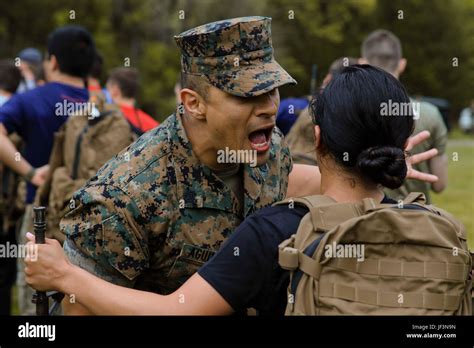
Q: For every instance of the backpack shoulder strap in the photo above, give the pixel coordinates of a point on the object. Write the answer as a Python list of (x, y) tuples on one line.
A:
[(307, 201), (415, 197), (327, 216)]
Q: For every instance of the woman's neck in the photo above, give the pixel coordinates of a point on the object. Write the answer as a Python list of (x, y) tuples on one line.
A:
[(343, 188)]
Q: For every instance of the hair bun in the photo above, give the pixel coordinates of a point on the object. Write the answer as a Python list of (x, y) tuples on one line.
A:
[(384, 165)]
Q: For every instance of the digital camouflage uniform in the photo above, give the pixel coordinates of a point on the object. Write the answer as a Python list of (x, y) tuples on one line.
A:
[(153, 214)]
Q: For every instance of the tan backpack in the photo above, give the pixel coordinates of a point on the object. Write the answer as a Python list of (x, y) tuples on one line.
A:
[(81, 147), (374, 259)]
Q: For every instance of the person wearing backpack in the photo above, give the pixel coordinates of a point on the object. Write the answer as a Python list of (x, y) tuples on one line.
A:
[(123, 85), (37, 114), (81, 146), (415, 261)]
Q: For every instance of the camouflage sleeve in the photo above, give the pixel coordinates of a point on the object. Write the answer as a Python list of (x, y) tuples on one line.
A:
[(103, 236), (84, 261)]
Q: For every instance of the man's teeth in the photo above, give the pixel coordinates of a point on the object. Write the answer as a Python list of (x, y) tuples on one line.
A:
[(261, 144)]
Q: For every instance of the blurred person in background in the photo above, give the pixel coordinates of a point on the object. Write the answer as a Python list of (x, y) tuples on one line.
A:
[(123, 85), (93, 80), (383, 49), (466, 119), (37, 114), (10, 77), (30, 67), (300, 137), (289, 112)]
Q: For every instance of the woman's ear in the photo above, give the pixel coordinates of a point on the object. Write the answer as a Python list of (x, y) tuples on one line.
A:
[(317, 136), (193, 103)]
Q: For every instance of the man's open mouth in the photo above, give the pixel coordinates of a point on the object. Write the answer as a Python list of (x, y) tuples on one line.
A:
[(260, 138)]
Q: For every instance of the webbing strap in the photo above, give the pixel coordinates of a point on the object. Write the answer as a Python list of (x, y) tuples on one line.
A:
[(325, 218), (309, 265), (291, 259), (390, 299), (415, 197), (433, 270)]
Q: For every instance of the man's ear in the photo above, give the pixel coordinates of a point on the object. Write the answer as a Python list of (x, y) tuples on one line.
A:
[(53, 63), (193, 103), (402, 64)]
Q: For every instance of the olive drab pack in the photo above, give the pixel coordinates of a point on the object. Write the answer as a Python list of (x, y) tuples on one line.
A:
[(81, 147), (369, 258)]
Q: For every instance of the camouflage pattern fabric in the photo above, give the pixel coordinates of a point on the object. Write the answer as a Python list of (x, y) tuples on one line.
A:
[(153, 214), (235, 55)]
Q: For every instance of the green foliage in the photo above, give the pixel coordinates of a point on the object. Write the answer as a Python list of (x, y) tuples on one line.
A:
[(305, 32), (161, 65)]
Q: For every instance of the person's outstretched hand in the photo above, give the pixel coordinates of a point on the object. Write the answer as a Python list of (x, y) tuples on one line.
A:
[(420, 157)]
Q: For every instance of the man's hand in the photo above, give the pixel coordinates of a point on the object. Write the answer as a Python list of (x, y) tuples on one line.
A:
[(40, 176), (420, 157)]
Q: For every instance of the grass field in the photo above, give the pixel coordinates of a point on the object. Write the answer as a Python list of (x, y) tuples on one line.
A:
[(458, 198)]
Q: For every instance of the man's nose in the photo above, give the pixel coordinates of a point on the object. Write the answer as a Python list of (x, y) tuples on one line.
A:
[(267, 105)]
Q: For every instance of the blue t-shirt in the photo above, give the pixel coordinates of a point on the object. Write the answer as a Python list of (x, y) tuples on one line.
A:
[(35, 116), (288, 112)]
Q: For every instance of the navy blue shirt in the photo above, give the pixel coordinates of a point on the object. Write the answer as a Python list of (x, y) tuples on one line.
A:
[(35, 116), (245, 271)]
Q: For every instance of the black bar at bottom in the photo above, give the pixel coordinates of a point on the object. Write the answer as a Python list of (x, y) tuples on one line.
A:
[(430, 331)]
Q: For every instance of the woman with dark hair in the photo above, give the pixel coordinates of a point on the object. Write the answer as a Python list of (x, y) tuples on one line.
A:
[(359, 152)]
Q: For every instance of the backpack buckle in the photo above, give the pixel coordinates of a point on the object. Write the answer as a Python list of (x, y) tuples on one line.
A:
[(288, 258)]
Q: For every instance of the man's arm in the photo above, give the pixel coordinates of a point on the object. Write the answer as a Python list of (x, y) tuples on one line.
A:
[(102, 237), (439, 167), (439, 164), (9, 155)]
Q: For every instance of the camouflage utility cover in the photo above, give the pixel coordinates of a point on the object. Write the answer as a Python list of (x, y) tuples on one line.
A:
[(153, 214), (235, 55)]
